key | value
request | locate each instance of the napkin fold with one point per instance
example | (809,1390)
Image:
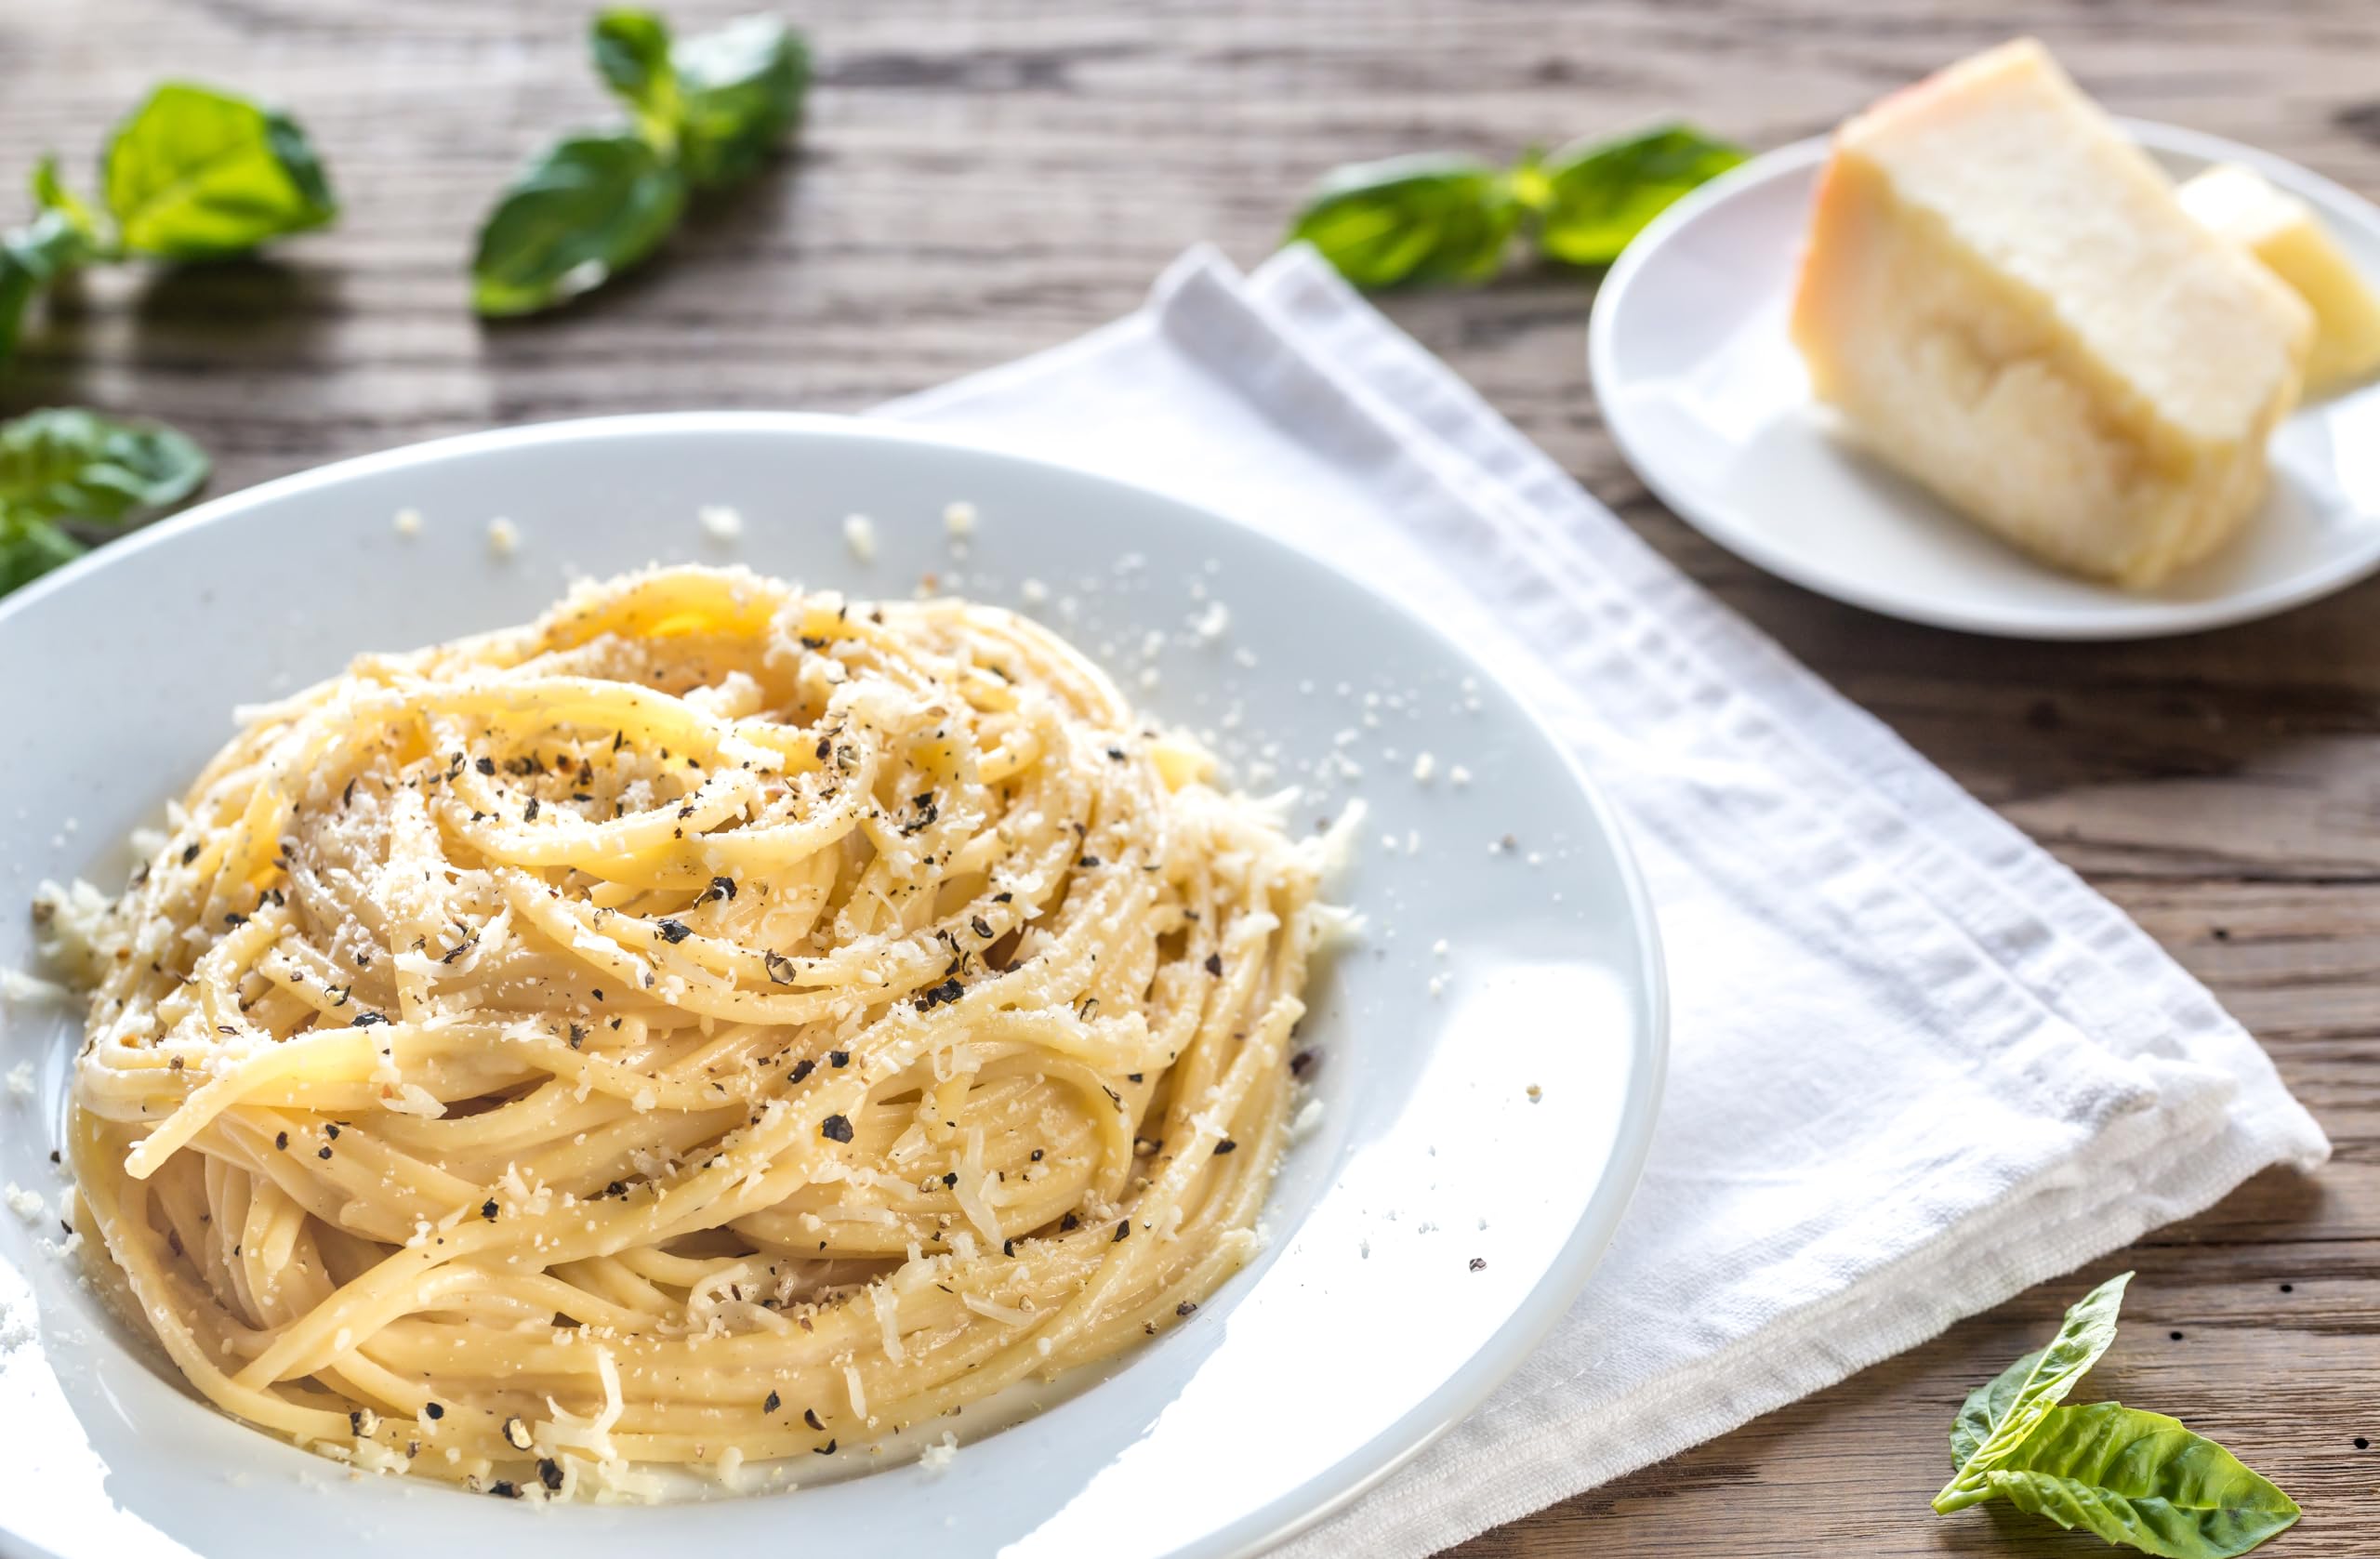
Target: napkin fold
(1916,1064)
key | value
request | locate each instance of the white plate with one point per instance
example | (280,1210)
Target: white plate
(1708,401)
(1361,1332)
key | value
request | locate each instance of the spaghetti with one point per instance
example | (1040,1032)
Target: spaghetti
(711,1023)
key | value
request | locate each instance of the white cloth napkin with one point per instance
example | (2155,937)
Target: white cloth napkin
(1916,1066)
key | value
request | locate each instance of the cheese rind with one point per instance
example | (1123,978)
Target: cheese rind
(2003,297)
(2237,203)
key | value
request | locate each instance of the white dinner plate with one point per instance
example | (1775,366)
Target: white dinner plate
(1486,1103)
(1708,401)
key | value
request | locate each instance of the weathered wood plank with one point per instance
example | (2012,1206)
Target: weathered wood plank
(984,177)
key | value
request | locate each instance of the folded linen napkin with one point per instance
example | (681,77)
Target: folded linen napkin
(1917,1066)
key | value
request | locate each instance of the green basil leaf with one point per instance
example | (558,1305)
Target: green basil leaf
(64,463)
(1418,219)
(588,208)
(50,193)
(30,548)
(1986,1409)
(1597,195)
(30,257)
(741,89)
(2141,1480)
(631,49)
(197,174)
(2090,1326)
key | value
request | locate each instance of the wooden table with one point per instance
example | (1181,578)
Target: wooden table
(982,177)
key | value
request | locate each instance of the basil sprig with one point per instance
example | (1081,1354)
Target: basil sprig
(1431,217)
(64,467)
(192,173)
(705,115)
(2134,1478)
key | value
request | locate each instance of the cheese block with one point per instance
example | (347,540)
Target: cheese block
(2236,203)
(2003,297)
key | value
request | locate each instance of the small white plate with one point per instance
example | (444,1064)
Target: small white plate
(1708,401)
(1476,1143)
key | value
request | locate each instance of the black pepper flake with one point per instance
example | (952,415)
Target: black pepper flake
(773,1403)
(825,747)
(810,1417)
(1116,753)
(780,967)
(365,1020)
(1036,1155)
(599,993)
(487,1210)
(339,994)
(432,1411)
(674,931)
(826,1449)
(325,1153)
(1226,1146)
(723,887)
(281,1141)
(1479,1263)
(1003,896)
(1122,1228)
(838,1058)
(951,1177)
(801,1069)
(1187,1307)
(235,918)
(577,1037)
(1132,1076)
(331,1131)
(550,1472)
(836,1129)
(1299,1061)
(1007,1248)
(503,1487)
(529,812)
(485,765)
(934,995)
(1088,862)
(1069,1223)
(982,927)
(516,1434)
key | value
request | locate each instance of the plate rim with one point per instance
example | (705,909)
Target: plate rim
(1582,1249)
(2126,618)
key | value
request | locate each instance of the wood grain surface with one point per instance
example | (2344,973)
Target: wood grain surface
(982,177)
